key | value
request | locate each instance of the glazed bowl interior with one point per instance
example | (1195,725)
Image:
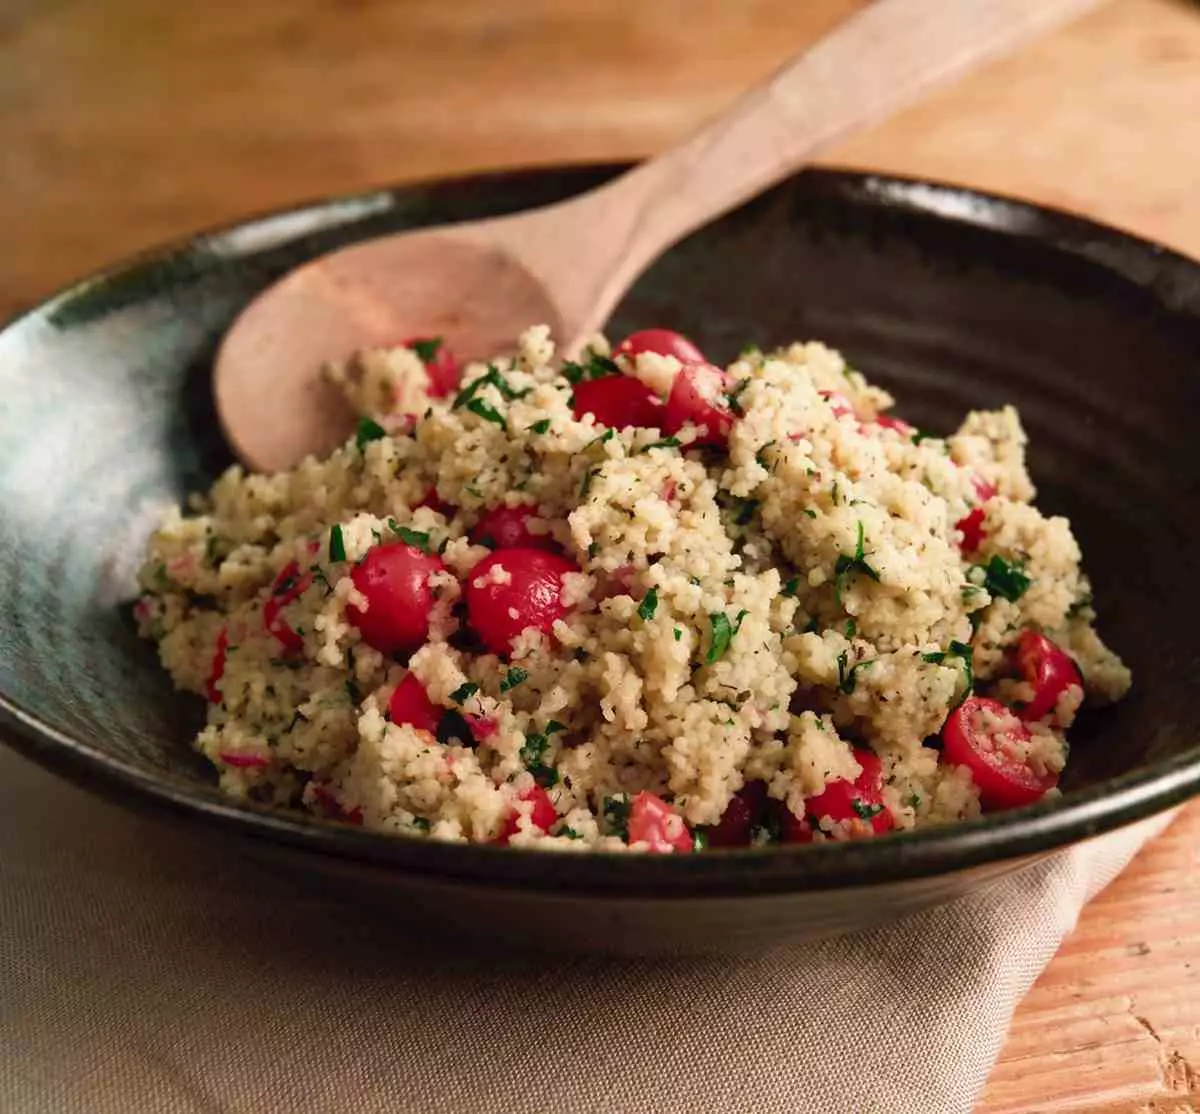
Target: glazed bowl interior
(950,299)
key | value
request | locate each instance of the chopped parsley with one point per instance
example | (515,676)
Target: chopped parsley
(588,476)
(540,426)
(760,457)
(846,566)
(512,678)
(1005,579)
(847,673)
(864,811)
(487,413)
(490,378)
(464,692)
(211,556)
(597,367)
(790,588)
(367,432)
(851,628)
(426,348)
(570,833)
(722,632)
(809,512)
(337,545)
(678,634)
(421,824)
(417,538)
(665,443)
(732,397)
(533,754)
(747,350)
(607,435)
(699,840)
(616,815)
(746,512)
(965,657)
(649,605)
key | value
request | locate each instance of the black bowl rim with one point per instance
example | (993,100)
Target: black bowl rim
(1171,278)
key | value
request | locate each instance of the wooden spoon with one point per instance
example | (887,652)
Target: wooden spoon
(479,284)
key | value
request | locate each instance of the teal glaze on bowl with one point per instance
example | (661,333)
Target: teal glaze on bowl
(951,298)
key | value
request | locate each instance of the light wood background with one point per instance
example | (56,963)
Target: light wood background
(127,122)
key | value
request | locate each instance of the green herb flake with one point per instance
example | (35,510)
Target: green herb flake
(426,348)
(615,811)
(792,586)
(540,426)
(570,833)
(678,634)
(649,605)
(1006,579)
(421,824)
(846,566)
(913,800)
(453,727)
(337,545)
(464,692)
(491,378)
(733,397)
(809,512)
(851,628)
(963,654)
(417,538)
(865,811)
(367,432)
(699,840)
(588,476)
(721,634)
(487,413)
(607,435)
(760,457)
(665,443)
(512,678)
(847,673)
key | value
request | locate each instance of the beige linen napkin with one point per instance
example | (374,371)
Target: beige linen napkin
(139,973)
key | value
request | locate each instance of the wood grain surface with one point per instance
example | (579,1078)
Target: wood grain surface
(124,123)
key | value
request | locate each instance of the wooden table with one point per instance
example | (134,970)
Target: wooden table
(129,122)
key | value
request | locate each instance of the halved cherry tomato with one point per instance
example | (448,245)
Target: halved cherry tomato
(443,370)
(410,704)
(527,594)
(542,815)
(653,821)
(662,341)
(740,817)
(1048,669)
(220,653)
(394,579)
(508,527)
(288,587)
(986,737)
(698,396)
(618,401)
(861,799)
(971,524)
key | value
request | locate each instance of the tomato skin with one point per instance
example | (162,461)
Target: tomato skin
(889,421)
(288,587)
(741,816)
(664,342)
(220,654)
(650,821)
(410,704)
(533,590)
(971,524)
(1048,669)
(838,403)
(838,799)
(394,578)
(1004,780)
(698,396)
(618,401)
(444,370)
(508,528)
(542,816)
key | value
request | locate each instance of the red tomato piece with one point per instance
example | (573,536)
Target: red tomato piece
(888,421)
(838,403)
(542,815)
(443,370)
(618,401)
(662,341)
(653,821)
(1048,669)
(698,396)
(971,524)
(792,828)
(288,587)
(508,528)
(410,704)
(986,737)
(527,592)
(394,579)
(243,761)
(220,653)
(861,799)
(740,817)
(434,502)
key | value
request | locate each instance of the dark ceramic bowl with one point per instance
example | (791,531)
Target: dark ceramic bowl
(952,298)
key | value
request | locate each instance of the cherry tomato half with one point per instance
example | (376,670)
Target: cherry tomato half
(394,579)
(698,396)
(526,593)
(1050,671)
(662,341)
(653,821)
(444,370)
(618,401)
(508,528)
(986,737)
(861,799)
(742,814)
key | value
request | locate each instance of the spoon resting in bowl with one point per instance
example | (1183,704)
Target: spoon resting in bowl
(478,284)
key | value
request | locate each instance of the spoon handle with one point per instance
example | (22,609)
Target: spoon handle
(879,60)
